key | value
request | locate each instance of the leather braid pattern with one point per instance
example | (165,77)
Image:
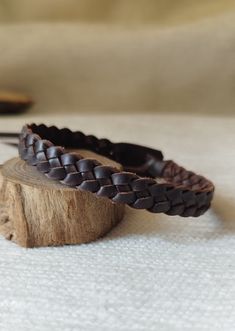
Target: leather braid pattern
(176,192)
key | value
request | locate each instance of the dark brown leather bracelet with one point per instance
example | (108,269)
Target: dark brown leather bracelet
(174,191)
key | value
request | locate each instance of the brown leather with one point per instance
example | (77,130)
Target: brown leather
(174,191)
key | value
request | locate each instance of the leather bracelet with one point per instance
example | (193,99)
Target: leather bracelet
(146,182)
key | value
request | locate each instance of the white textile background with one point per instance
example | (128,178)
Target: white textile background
(152,272)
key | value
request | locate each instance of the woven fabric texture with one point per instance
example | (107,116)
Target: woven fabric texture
(153,271)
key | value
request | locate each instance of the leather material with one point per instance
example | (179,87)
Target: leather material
(175,191)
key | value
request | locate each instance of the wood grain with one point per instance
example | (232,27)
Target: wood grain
(36,211)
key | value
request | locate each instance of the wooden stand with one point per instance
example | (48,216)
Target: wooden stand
(36,211)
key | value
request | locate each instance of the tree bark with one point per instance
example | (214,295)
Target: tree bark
(36,211)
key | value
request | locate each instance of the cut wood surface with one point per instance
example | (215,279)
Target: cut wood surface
(36,211)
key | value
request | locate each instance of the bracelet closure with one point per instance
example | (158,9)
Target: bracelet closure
(142,160)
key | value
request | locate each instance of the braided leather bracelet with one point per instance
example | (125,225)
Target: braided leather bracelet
(175,191)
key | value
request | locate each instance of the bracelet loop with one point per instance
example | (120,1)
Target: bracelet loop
(146,182)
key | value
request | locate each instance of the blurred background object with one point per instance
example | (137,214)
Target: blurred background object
(113,11)
(13,103)
(120,55)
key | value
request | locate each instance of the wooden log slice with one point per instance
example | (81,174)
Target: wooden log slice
(36,211)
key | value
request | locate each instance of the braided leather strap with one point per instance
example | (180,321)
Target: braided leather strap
(174,191)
